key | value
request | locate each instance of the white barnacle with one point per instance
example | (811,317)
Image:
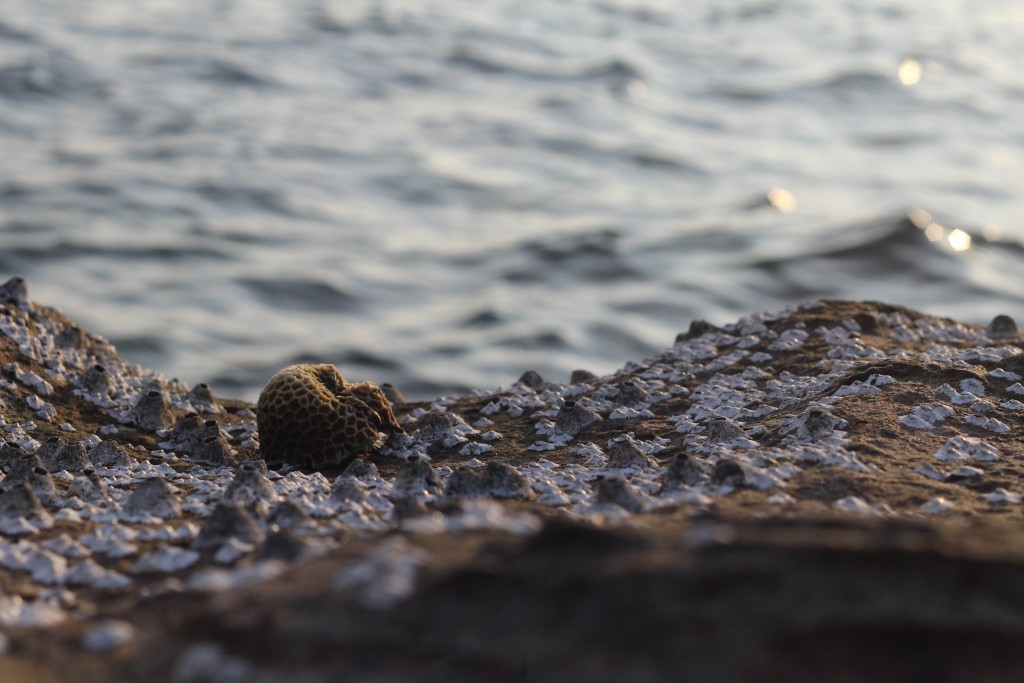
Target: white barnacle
(936,506)
(926,417)
(961,448)
(989,423)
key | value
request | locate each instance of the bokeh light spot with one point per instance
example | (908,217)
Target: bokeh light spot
(781,199)
(992,232)
(959,240)
(636,88)
(934,232)
(910,72)
(920,218)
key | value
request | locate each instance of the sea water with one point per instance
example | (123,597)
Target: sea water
(443,194)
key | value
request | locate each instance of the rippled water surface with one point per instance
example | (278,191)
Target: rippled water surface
(443,194)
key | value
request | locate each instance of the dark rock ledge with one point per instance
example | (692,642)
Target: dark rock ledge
(827,493)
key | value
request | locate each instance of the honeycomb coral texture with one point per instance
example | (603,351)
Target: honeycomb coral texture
(309,416)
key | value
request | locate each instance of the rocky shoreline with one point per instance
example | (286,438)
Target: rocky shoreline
(831,492)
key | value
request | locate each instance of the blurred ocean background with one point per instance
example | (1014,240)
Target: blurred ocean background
(442,194)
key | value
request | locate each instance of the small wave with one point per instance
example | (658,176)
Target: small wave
(232,73)
(485,318)
(15,225)
(290,149)
(841,85)
(304,294)
(52,73)
(617,70)
(596,256)
(660,160)
(219,70)
(647,159)
(870,261)
(8,32)
(897,140)
(416,79)
(431,188)
(598,243)
(540,340)
(95,188)
(374,21)
(351,358)
(15,189)
(888,244)
(253,198)
(13,257)
(713,239)
(742,93)
(877,247)
(859,81)
(254,236)
(642,15)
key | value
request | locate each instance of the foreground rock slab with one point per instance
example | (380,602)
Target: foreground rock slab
(828,492)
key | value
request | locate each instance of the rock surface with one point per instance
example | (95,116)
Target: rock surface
(832,492)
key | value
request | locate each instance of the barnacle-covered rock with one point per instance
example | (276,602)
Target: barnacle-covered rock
(10,452)
(573,418)
(15,291)
(287,516)
(683,470)
(56,455)
(201,439)
(347,489)
(725,430)
(463,483)
(531,379)
(152,411)
(1002,327)
(227,522)
(201,398)
(631,394)
(249,487)
(29,470)
(618,491)
(698,328)
(415,479)
(152,497)
(405,508)
(282,546)
(308,415)
(71,336)
(728,472)
(448,428)
(19,500)
(363,471)
(215,450)
(88,486)
(582,377)
(501,480)
(110,453)
(21,512)
(187,433)
(814,424)
(96,380)
(623,453)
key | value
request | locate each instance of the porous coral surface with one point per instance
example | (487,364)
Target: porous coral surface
(308,415)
